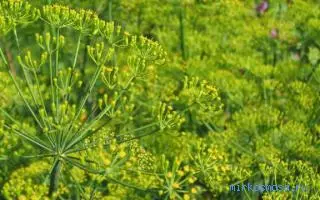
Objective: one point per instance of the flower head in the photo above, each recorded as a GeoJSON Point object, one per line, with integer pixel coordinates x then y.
{"type": "Point", "coordinates": [262, 7]}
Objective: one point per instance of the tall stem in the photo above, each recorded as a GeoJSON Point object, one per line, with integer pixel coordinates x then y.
{"type": "Point", "coordinates": [16, 38]}
{"type": "Point", "coordinates": [51, 78]}
{"type": "Point", "coordinates": [54, 177]}
{"type": "Point", "coordinates": [74, 65]}
{"type": "Point", "coordinates": [56, 73]}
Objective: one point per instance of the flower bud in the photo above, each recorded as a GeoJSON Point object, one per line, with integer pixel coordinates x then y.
{"type": "Point", "coordinates": [100, 103]}
{"type": "Point", "coordinates": [44, 57]}
{"type": "Point", "coordinates": [48, 40]}
{"type": "Point", "coordinates": [80, 84]}
{"type": "Point", "coordinates": [61, 41]}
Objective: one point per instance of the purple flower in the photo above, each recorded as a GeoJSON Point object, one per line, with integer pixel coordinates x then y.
{"type": "Point", "coordinates": [262, 7]}
{"type": "Point", "coordinates": [274, 33]}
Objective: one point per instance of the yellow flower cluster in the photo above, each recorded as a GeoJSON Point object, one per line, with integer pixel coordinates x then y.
{"type": "Point", "coordinates": [26, 183]}
{"type": "Point", "coordinates": [18, 12]}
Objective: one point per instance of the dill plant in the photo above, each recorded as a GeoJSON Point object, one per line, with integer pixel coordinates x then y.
{"type": "Point", "coordinates": [63, 106]}
{"type": "Point", "coordinates": [266, 68]}
{"type": "Point", "coordinates": [264, 61]}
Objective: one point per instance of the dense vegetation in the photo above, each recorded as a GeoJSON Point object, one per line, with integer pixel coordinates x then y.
{"type": "Point", "coordinates": [150, 99]}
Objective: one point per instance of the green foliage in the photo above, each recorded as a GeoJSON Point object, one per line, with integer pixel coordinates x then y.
{"type": "Point", "coordinates": [152, 99]}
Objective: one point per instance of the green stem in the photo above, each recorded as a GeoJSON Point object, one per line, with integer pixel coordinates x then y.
{"type": "Point", "coordinates": [3, 58]}
{"type": "Point", "coordinates": [126, 184]}
{"type": "Point", "coordinates": [29, 84]}
{"type": "Point", "coordinates": [74, 65]}
{"type": "Point", "coordinates": [156, 130]}
{"type": "Point", "coordinates": [138, 129]}
{"type": "Point", "coordinates": [54, 177]}
{"type": "Point", "coordinates": [77, 51]}
{"type": "Point", "coordinates": [84, 133]}
{"type": "Point", "coordinates": [27, 136]}
{"type": "Point", "coordinates": [69, 82]}
{"type": "Point", "coordinates": [83, 167]}
{"type": "Point", "coordinates": [43, 105]}
{"type": "Point", "coordinates": [39, 91]}
{"type": "Point", "coordinates": [84, 100]}
{"type": "Point", "coordinates": [51, 78]}
{"type": "Point", "coordinates": [66, 137]}
{"type": "Point", "coordinates": [19, 90]}
{"type": "Point", "coordinates": [56, 72]}
{"type": "Point", "coordinates": [16, 38]}
{"type": "Point", "coordinates": [25, 100]}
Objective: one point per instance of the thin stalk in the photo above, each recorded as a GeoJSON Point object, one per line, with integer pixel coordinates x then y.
{"type": "Point", "coordinates": [51, 78]}
{"type": "Point", "coordinates": [8, 116]}
{"type": "Point", "coordinates": [129, 185]}
{"type": "Point", "coordinates": [122, 141]}
{"type": "Point", "coordinates": [25, 100]}
{"type": "Point", "coordinates": [309, 77]}
{"type": "Point", "coordinates": [19, 90]}
{"type": "Point", "coordinates": [16, 38]}
{"type": "Point", "coordinates": [85, 55]}
{"type": "Point", "coordinates": [17, 123]}
{"type": "Point", "coordinates": [39, 91]}
{"type": "Point", "coordinates": [77, 51]}
{"type": "Point", "coordinates": [83, 167]}
{"type": "Point", "coordinates": [138, 129]}
{"type": "Point", "coordinates": [102, 172]}
{"type": "Point", "coordinates": [26, 136]}
{"type": "Point", "coordinates": [66, 137]}
{"type": "Point", "coordinates": [84, 100]}
{"type": "Point", "coordinates": [142, 135]}
{"type": "Point", "coordinates": [3, 58]}
{"type": "Point", "coordinates": [95, 131]}
{"type": "Point", "coordinates": [29, 85]}
{"type": "Point", "coordinates": [69, 81]}
{"type": "Point", "coordinates": [88, 126]}
{"type": "Point", "coordinates": [56, 72]}
{"type": "Point", "coordinates": [86, 129]}
{"type": "Point", "coordinates": [92, 194]}
{"type": "Point", "coordinates": [118, 137]}
{"type": "Point", "coordinates": [38, 156]}
{"type": "Point", "coordinates": [74, 63]}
